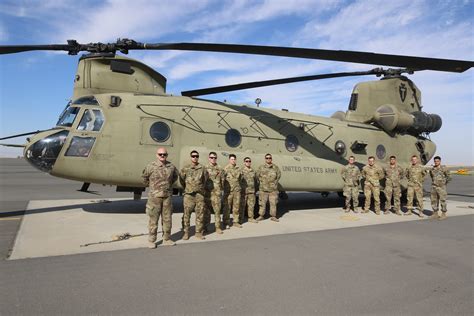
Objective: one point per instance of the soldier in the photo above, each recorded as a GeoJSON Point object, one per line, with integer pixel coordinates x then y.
{"type": "Point", "coordinates": [268, 176]}
{"type": "Point", "coordinates": [232, 190]}
{"type": "Point", "coordinates": [440, 176]}
{"type": "Point", "coordinates": [193, 178]}
{"type": "Point", "coordinates": [415, 175]}
{"type": "Point", "coordinates": [248, 190]}
{"type": "Point", "coordinates": [160, 176]}
{"type": "Point", "coordinates": [372, 175]}
{"type": "Point", "coordinates": [393, 175]}
{"type": "Point", "coordinates": [351, 176]}
{"type": "Point", "coordinates": [213, 199]}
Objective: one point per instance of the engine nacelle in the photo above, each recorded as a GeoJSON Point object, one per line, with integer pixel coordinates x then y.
{"type": "Point", "coordinates": [391, 119]}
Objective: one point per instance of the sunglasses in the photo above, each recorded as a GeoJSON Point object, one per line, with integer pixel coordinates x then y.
{"type": "Point", "coordinates": [268, 157]}
{"type": "Point", "coordinates": [212, 157]}
{"type": "Point", "coordinates": [248, 160]}
{"type": "Point", "coordinates": [162, 155]}
{"type": "Point", "coordinates": [194, 156]}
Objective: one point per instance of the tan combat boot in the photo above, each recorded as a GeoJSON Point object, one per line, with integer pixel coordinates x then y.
{"type": "Point", "coordinates": [408, 212]}
{"type": "Point", "coordinates": [236, 225]}
{"type": "Point", "coordinates": [364, 211]}
{"type": "Point", "coordinates": [168, 242]}
{"type": "Point", "coordinates": [443, 216]}
{"type": "Point", "coordinates": [151, 245]}
{"type": "Point", "coordinates": [219, 231]}
{"type": "Point", "coordinates": [274, 219]}
{"type": "Point", "coordinates": [260, 218]}
{"type": "Point", "coordinates": [398, 212]}
{"type": "Point", "coordinates": [356, 210]}
{"type": "Point", "coordinates": [252, 220]}
{"type": "Point", "coordinates": [434, 215]}
{"type": "Point", "coordinates": [386, 212]}
{"type": "Point", "coordinates": [186, 234]}
{"type": "Point", "coordinates": [199, 236]}
{"type": "Point", "coordinates": [420, 214]}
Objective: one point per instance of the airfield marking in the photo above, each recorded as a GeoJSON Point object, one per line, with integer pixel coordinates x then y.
{"type": "Point", "coordinates": [10, 218]}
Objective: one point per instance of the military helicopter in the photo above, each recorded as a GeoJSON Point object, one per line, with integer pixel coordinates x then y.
{"type": "Point", "coordinates": [120, 113]}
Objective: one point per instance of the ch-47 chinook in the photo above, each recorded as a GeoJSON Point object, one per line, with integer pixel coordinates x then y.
{"type": "Point", "coordinates": [120, 113]}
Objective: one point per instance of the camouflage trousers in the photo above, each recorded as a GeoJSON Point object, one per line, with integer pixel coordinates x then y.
{"type": "Point", "coordinates": [369, 190]}
{"type": "Point", "coordinates": [212, 204]}
{"type": "Point", "coordinates": [156, 207]}
{"type": "Point", "coordinates": [247, 202]}
{"type": "Point", "coordinates": [414, 191]}
{"type": "Point", "coordinates": [193, 202]}
{"type": "Point", "coordinates": [231, 202]}
{"type": "Point", "coordinates": [272, 198]}
{"type": "Point", "coordinates": [351, 193]}
{"type": "Point", "coordinates": [438, 196]}
{"type": "Point", "coordinates": [396, 192]}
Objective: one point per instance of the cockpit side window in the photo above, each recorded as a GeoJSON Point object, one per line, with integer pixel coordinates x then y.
{"type": "Point", "coordinates": [92, 120]}
{"type": "Point", "coordinates": [68, 116]}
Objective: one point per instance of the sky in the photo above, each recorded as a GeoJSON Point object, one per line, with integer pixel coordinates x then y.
{"type": "Point", "coordinates": [36, 86]}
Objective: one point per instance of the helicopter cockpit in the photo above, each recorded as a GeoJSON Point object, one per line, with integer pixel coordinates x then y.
{"type": "Point", "coordinates": [43, 153]}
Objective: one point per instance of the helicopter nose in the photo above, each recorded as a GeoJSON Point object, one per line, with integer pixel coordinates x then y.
{"type": "Point", "coordinates": [43, 153]}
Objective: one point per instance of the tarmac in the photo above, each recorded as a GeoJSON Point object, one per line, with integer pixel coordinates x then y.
{"type": "Point", "coordinates": [65, 227]}
{"type": "Point", "coordinates": [316, 260]}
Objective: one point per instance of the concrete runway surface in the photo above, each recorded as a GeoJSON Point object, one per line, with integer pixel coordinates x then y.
{"type": "Point", "coordinates": [302, 265]}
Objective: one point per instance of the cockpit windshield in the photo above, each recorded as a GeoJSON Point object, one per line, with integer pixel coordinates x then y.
{"type": "Point", "coordinates": [68, 116]}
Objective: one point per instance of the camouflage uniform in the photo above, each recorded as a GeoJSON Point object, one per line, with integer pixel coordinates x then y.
{"type": "Point", "coordinates": [232, 190]}
{"type": "Point", "coordinates": [248, 192]}
{"type": "Point", "coordinates": [160, 177]}
{"type": "Point", "coordinates": [268, 176]}
{"type": "Point", "coordinates": [393, 175]}
{"type": "Point", "coordinates": [415, 175]}
{"type": "Point", "coordinates": [213, 196]}
{"type": "Point", "coordinates": [372, 175]}
{"type": "Point", "coordinates": [351, 175]}
{"type": "Point", "coordinates": [193, 178]}
{"type": "Point", "coordinates": [440, 176]}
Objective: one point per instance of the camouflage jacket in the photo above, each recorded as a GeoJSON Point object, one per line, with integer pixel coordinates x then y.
{"type": "Point", "coordinates": [393, 175]}
{"type": "Point", "coordinates": [440, 176]}
{"type": "Point", "coordinates": [350, 175]}
{"type": "Point", "coordinates": [268, 177]}
{"type": "Point", "coordinates": [248, 180]}
{"type": "Point", "coordinates": [215, 182]}
{"type": "Point", "coordinates": [233, 175]}
{"type": "Point", "coordinates": [415, 175]}
{"type": "Point", "coordinates": [372, 174]}
{"type": "Point", "coordinates": [160, 177]}
{"type": "Point", "coordinates": [193, 178]}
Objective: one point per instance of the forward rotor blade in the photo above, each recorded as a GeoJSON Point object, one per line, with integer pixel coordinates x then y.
{"type": "Point", "coordinates": [265, 83]}
{"type": "Point", "coordinates": [12, 145]}
{"type": "Point", "coordinates": [124, 45]}
{"type": "Point", "coordinates": [413, 62]}
{"type": "Point", "coordinates": [11, 49]}
{"type": "Point", "coordinates": [19, 135]}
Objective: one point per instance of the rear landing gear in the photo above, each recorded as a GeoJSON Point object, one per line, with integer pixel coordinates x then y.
{"type": "Point", "coordinates": [282, 195]}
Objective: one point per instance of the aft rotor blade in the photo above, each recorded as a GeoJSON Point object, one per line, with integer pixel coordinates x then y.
{"type": "Point", "coordinates": [422, 63]}
{"type": "Point", "coordinates": [11, 49]}
{"type": "Point", "coordinates": [19, 135]}
{"type": "Point", "coordinates": [265, 83]}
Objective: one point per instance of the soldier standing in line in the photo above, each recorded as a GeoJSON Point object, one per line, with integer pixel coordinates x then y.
{"type": "Point", "coordinates": [372, 175]}
{"type": "Point", "coordinates": [160, 176]}
{"type": "Point", "coordinates": [440, 177]}
{"type": "Point", "coordinates": [351, 176]}
{"type": "Point", "coordinates": [193, 178]}
{"type": "Point", "coordinates": [232, 190]}
{"type": "Point", "coordinates": [415, 175]}
{"type": "Point", "coordinates": [213, 198]}
{"type": "Point", "coordinates": [268, 176]}
{"type": "Point", "coordinates": [393, 175]}
{"type": "Point", "coordinates": [248, 190]}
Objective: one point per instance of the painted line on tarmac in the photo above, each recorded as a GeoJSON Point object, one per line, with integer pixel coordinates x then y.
{"type": "Point", "coordinates": [10, 218]}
